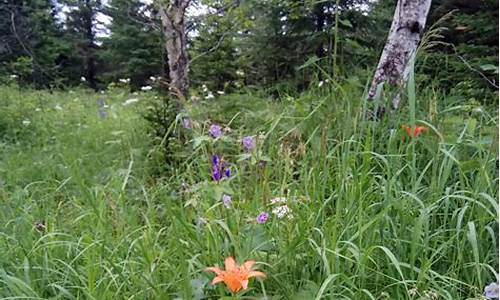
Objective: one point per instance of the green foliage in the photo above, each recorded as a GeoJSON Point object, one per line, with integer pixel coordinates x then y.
{"type": "Point", "coordinates": [134, 48]}
{"type": "Point", "coordinates": [465, 50]}
{"type": "Point", "coordinates": [31, 42]}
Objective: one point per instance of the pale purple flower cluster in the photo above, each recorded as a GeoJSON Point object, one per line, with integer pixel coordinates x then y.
{"type": "Point", "coordinates": [215, 130]}
{"type": "Point", "coordinates": [491, 290]}
{"type": "Point", "coordinates": [262, 217]}
{"type": "Point", "coordinates": [227, 200]}
{"type": "Point", "coordinates": [186, 123]}
{"type": "Point", "coordinates": [248, 143]}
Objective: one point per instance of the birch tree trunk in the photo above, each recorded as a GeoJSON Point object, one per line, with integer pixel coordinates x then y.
{"type": "Point", "coordinates": [174, 28]}
{"type": "Point", "coordinates": [407, 26]}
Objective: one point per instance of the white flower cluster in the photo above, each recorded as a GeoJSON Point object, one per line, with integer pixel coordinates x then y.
{"type": "Point", "coordinates": [278, 200]}
{"type": "Point", "coordinates": [130, 101]}
{"type": "Point", "coordinates": [281, 210]}
{"type": "Point", "coordinates": [146, 88]}
{"type": "Point", "coordinates": [209, 94]}
{"type": "Point", "coordinates": [124, 80]}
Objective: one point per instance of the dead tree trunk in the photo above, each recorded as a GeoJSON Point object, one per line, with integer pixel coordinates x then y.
{"type": "Point", "coordinates": [174, 28]}
{"type": "Point", "coordinates": [407, 26]}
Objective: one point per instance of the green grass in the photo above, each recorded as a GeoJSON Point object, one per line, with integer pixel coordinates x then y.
{"type": "Point", "coordinates": [376, 214]}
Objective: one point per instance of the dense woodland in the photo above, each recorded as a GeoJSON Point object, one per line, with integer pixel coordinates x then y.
{"type": "Point", "coordinates": [274, 43]}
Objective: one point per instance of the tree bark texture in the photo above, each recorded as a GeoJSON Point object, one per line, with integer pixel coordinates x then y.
{"type": "Point", "coordinates": [174, 28]}
{"type": "Point", "coordinates": [407, 27]}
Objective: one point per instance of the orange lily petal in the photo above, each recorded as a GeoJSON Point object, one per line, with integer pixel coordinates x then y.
{"type": "Point", "coordinates": [217, 280]}
{"type": "Point", "coordinates": [249, 264]}
{"type": "Point", "coordinates": [244, 284]}
{"type": "Point", "coordinates": [256, 274]}
{"type": "Point", "coordinates": [230, 263]}
{"type": "Point", "coordinates": [215, 270]}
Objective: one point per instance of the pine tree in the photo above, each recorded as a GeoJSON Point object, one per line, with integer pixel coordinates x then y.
{"type": "Point", "coordinates": [134, 48]}
{"type": "Point", "coordinates": [81, 31]}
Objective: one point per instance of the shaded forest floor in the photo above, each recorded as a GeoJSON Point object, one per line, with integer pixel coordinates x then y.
{"type": "Point", "coordinates": [356, 209]}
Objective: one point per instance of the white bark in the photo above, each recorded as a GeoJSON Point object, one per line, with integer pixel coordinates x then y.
{"type": "Point", "coordinates": [407, 26]}
{"type": "Point", "coordinates": [174, 28]}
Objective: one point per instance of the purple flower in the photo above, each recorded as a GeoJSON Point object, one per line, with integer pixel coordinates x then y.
{"type": "Point", "coordinates": [220, 168]}
{"type": "Point", "coordinates": [186, 123]}
{"type": "Point", "coordinates": [215, 130]}
{"type": "Point", "coordinates": [262, 217]}
{"type": "Point", "coordinates": [226, 199]}
{"type": "Point", "coordinates": [248, 143]}
{"type": "Point", "coordinates": [491, 290]}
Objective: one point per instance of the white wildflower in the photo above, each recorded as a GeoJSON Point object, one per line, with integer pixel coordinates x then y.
{"type": "Point", "coordinates": [240, 73]}
{"type": "Point", "coordinates": [281, 211]}
{"type": "Point", "coordinates": [320, 84]}
{"type": "Point", "coordinates": [204, 88]}
{"type": "Point", "coordinates": [278, 200]}
{"type": "Point", "coordinates": [13, 76]}
{"type": "Point", "coordinates": [220, 92]}
{"type": "Point", "coordinates": [210, 95]}
{"type": "Point", "coordinates": [431, 295]}
{"type": "Point", "coordinates": [26, 122]}
{"type": "Point", "coordinates": [130, 101]}
{"type": "Point", "coordinates": [146, 88]}
{"type": "Point", "coordinates": [83, 79]}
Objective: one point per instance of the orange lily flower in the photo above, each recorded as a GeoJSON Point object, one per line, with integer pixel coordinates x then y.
{"type": "Point", "coordinates": [235, 277]}
{"type": "Point", "coordinates": [416, 131]}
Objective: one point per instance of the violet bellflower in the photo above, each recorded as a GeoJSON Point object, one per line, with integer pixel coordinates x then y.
{"type": "Point", "coordinates": [220, 168]}
{"type": "Point", "coordinates": [186, 123]}
{"type": "Point", "coordinates": [248, 143]}
{"type": "Point", "coordinates": [215, 130]}
{"type": "Point", "coordinates": [227, 200]}
{"type": "Point", "coordinates": [491, 290]}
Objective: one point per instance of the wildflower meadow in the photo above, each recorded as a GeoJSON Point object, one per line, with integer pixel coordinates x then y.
{"type": "Point", "coordinates": [301, 198]}
{"type": "Point", "coordinates": [249, 150]}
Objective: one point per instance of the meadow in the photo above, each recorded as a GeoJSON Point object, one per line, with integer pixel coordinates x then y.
{"type": "Point", "coordinates": [330, 203]}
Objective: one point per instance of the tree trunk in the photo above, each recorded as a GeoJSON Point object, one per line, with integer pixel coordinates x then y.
{"type": "Point", "coordinates": [407, 26]}
{"type": "Point", "coordinates": [174, 28]}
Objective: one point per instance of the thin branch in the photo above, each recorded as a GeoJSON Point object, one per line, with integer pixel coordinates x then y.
{"type": "Point", "coordinates": [219, 42]}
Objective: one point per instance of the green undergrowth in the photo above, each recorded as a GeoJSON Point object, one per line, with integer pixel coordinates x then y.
{"type": "Point", "coordinates": [374, 213]}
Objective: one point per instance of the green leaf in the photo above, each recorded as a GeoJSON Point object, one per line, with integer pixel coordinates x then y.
{"type": "Point", "coordinates": [489, 67]}
{"type": "Point", "coordinates": [346, 23]}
